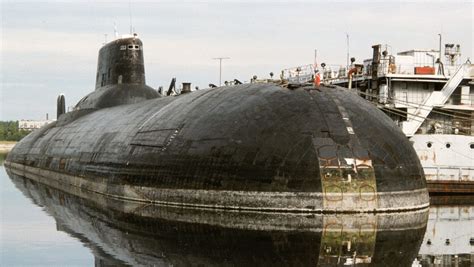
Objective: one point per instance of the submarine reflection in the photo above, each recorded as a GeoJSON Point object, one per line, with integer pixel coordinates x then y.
{"type": "Point", "coordinates": [127, 233]}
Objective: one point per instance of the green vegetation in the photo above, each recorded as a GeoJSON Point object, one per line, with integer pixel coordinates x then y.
{"type": "Point", "coordinates": [3, 156]}
{"type": "Point", "coordinates": [9, 131]}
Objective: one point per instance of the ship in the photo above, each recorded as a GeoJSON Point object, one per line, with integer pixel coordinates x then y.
{"type": "Point", "coordinates": [262, 147]}
{"type": "Point", "coordinates": [430, 98]}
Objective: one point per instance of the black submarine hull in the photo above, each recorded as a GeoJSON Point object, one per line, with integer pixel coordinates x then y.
{"type": "Point", "coordinates": [252, 147]}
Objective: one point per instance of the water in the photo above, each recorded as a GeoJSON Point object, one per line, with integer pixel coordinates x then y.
{"type": "Point", "coordinates": [43, 226]}
{"type": "Point", "coordinates": [29, 235]}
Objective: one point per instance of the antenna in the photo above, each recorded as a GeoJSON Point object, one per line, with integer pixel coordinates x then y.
{"type": "Point", "coordinates": [130, 14]}
{"type": "Point", "coordinates": [315, 59]}
{"type": "Point", "coordinates": [347, 60]}
{"type": "Point", "coordinates": [440, 42]}
{"type": "Point", "coordinates": [220, 67]}
{"type": "Point", "coordinates": [115, 30]}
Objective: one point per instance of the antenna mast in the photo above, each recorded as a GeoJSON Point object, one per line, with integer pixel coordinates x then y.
{"type": "Point", "coordinates": [440, 43]}
{"type": "Point", "coordinates": [220, 67]}
{"type": "Point", "coordinates": [115, 30]}
{"type": "Point", "coordinates": [130, 14]}
{"type": "Point", "coordinates": [315, 59]}
{"type": "Point", "coordinates": [347, 60]}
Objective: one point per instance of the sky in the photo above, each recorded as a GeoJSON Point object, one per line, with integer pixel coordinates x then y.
{"type": "Point", "coordinates": [51, 47]}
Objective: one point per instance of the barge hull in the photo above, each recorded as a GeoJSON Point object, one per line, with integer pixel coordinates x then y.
{"type": "Point", "coordinates": [450, 187]}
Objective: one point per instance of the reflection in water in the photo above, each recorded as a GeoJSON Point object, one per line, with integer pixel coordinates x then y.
{"type": "Point", "coordinates": [119, 232]}
{"type": "Point", "coordinates": [449, 238]}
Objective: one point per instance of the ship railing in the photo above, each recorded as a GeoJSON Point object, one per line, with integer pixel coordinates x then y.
{"type": "Point", "coordinates": [386, 68]}
{"type": "Point", "coordinates": [300, 74]}
{"type": "Point", "coordinates": [338, 72]}
{"type": "Point", "coordinates": [450, 173]}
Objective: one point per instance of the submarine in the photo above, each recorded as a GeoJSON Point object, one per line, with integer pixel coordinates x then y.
{"type": "Point", "coordinates": [254, 147]}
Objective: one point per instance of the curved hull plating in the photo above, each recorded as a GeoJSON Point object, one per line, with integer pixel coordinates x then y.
{"type": "Point", "coordinates": [257, 147]}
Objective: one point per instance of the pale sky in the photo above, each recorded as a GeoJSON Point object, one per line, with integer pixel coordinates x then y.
{"type": "Point", "coordinates": [50, 47]}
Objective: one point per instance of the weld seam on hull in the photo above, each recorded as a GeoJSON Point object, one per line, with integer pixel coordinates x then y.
{"type": "Point", "coordinates": [305, 202]}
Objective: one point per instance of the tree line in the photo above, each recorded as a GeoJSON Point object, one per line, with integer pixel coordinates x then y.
{"type": "Point", "coordinates": [9, 131]}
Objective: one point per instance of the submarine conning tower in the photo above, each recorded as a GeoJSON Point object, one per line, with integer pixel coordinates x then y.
{"type": "Point", "coordinates": [121, 61]}
{"type": "Point", "coordinates": [120, 77]}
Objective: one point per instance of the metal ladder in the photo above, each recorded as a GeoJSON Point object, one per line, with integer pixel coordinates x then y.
{"type": "Point", "coordinates": [437, 98]}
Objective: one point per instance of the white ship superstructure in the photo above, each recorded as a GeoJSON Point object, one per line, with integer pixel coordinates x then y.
{"type": "Point", "coordinates": [431, 98]}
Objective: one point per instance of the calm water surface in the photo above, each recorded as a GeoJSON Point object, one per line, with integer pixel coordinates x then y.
{"type": "Point", "coordinates": [29, 235]}
{"type": "Point", "coordinates": [43, 226]}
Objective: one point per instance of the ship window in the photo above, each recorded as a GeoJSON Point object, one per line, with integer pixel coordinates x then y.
{"type": "Point", "coordinates": [471, 145]}
{"type": "Point", "coordinates": [130, 47]}
{"type": "Point", "coordinates": [429, 144]}
{"type": "Point", "coordinates": [123, 47]}
{"type": "Point", "coordinates": [136, 47]}
{"type": "Point", "coordinates": [448, 145]}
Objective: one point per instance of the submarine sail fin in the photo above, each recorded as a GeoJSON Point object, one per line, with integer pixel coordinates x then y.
{"type": "Point", "coordinates": [60, 106]}
{"type": "Point", "coordinates": [121, 61]}
{"type": "Point", "coordinates": [120, 77]}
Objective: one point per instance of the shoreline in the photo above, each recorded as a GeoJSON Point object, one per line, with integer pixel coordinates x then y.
{"type": "Point", "coordinates": [7, 146]}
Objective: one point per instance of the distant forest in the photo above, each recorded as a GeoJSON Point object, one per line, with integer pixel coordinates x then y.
{"type": "Point", "coordinates": [9, 131]}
